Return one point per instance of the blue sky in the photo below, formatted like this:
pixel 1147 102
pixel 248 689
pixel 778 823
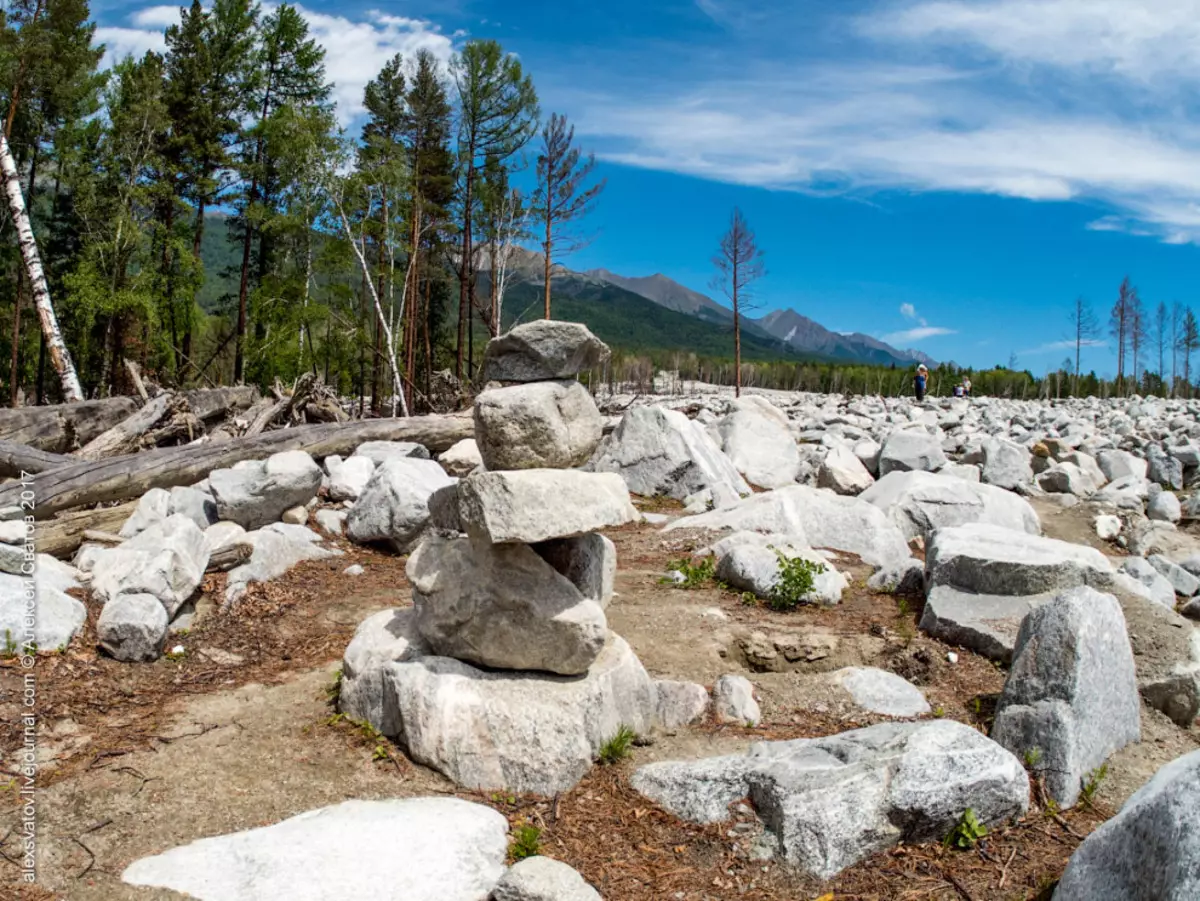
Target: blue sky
pixel 945 174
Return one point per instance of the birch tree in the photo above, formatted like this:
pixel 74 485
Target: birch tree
pixel 60 356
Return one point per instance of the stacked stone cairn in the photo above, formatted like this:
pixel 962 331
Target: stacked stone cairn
pixel 504 674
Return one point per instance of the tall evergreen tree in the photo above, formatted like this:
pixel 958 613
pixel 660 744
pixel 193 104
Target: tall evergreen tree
pixel 497 117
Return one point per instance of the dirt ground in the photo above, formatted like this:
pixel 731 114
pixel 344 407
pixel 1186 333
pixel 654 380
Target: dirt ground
pixel 238 732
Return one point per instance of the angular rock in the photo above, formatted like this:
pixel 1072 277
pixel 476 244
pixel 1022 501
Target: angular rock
pixel 418 849
pixel 733 701
pixel 817 518
pixel 543 879
pixel 167 561
pixel 1067 478
pixel 680 703
pixel 394 507
pixel 1005 464
pixel 1164 470
pixel 1071 699
pixel 750 562
pixel 1184 583
pixel 908 451
pixel 662 452
pixel 257 494
pixel 1149 582
pixel 517 732
pixel 1150 851
pixel 133 627
pixel 544 425
pixel 1119 464
pixel 331 522
pixel 152 508
pixel 297 516
pixel 878 691
pixel 589 562
pixel 385 637
pixel 1165 507
pixel 843 472
pixel 828 803
pixel 535 505
pixel 502 606
pixel 349 478
pixel 761 448
pixel 379 452
pixel 277 548
pixel 58 616
pixel 1107 526
pixel 920 502
pixel 461 459
pixel 542 350
pixel 1126 493
pixel 905 577
pixel 196 505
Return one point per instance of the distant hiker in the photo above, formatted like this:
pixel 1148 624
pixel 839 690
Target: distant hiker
pixel 960 391
pixel 966 386
pixel 920 381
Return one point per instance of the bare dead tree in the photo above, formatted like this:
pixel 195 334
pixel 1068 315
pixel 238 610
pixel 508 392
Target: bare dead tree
pixel 739 264
pixel 1138 335
pixel 1119 322
pixel 1085 328
pixel 561 198
pixel 1162 327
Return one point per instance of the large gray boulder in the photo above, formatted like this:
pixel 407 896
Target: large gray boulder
pixel 1119 464
pixel 461 459
pixel 1183 582
pixel 921 502
pixel 680 703
pixel 196 505
pixel 1071 699
pixel 662 452
pixel 1067 478
pixel 385 637
pixel 543 879
pixel 152 508
pixel 905 450
pixel 58 616
pixel 733 701
pixel 133 627
pixel 349 478
pixel 1163 469
pixel 880 691
pixel 257 492
pixel 394 506
pixel 544 425
pixel 1165 507
pixel 534 505
pixel 1140 577
pixel 761 447
pixel 1150 851
pixel 167 561
pixel 418 849
pixel 814 517
pixel 828 803
pixel 843 472
pixel 510 731
pixel 502 606
pixel 542 350
pixel 379 452
pixel 1005 464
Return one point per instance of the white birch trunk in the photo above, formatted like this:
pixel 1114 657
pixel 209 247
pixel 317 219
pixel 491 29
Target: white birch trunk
pixel 59 355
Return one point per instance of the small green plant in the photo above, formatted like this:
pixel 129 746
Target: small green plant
pixel 526 842
pixel 175 656
pixel 902 607
pixel 978 705
pixel 749 598
pixel 499 798
pixel 10 646
pixel 939 711
pixel 1091 785
pixel 333 690
pixel 967 833
pixel 1033 757
pixel 617 748
pixel 380 753
pixel 695 574
pixel 1051 808
pixel 795 581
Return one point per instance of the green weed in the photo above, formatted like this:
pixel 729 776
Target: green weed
pixel 695 574
pixel 967 833
pixel 795 581
pixel 617 748
pixel 526 842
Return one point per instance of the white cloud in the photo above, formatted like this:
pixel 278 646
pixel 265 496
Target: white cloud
pixel 1065 344
pixel 916 334
pixel 355 49
pixel 1036 99
pixel 908 311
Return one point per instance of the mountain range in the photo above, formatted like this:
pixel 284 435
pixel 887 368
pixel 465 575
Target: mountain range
pixel 781 333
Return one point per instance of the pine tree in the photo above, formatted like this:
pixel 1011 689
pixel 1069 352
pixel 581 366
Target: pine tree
pixel 498 113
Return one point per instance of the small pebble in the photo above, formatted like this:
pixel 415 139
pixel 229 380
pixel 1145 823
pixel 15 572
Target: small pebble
pixel 952 657
pixel 178 649
pixel 353 570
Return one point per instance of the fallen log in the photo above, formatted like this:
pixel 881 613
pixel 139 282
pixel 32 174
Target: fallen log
pixel 61 428
pixel 226 558
pixel 61 536
pixel 283 408
pixel 118 478
pixel 18 458
pixel 124 437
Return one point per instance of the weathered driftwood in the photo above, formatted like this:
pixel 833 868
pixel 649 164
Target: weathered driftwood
pixel 282 409
pixel 226 558
pixel 61 536
pixel 118 478
pixel 63 427
pixel 17 458
pixel 125 437
pixel 101 537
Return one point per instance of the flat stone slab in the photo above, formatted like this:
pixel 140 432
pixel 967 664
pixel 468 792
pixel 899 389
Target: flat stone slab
pixel 984 623
pixel 878 691
pixel 419 849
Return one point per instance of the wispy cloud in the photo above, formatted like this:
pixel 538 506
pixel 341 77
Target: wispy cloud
pixel 1053 346
pixel 917 334
pixel 908 311
pixel 1037 99
pixel 355 48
